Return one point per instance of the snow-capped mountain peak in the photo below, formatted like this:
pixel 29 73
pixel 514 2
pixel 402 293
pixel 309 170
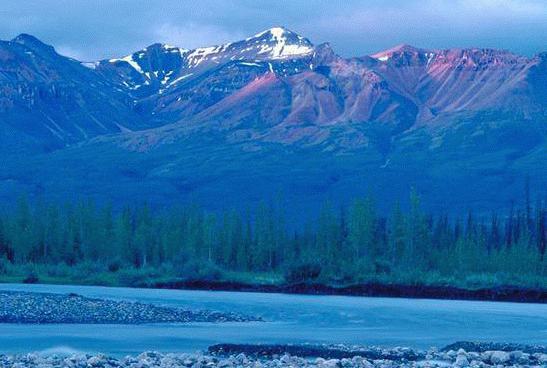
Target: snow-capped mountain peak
pixel 399 50
pixel 279 42
pixel 271 44
pixel 146 60
pixel 276 31
pixel 144 71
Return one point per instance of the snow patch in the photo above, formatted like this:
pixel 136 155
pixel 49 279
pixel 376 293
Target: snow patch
pixel 249 64
pixel 129 59
pixel 430 56
pixel 175 81
pixel 197 56
pixel 281 47
pixel 90 65
pixel 174 49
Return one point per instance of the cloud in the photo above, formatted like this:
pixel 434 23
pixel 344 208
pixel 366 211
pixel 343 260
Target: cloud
pixel 72 52
pixel 192 35
pixel 107 28
pixel 507 8
pixel 517 25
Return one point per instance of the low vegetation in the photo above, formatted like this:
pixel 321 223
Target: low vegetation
pixel 88 244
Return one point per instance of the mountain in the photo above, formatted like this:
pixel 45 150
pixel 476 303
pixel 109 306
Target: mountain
pixel 447 81
pixel 49 101
pixel 235 123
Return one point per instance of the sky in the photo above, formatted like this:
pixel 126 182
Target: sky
pixel 96 29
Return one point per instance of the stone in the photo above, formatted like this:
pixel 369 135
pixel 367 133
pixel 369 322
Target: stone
pixel 95 361
pixel 500 357
pixel 461 361
pixel 285 358
pixel 331 363
pixel 225 364
pixel 542 358
pixel 395 358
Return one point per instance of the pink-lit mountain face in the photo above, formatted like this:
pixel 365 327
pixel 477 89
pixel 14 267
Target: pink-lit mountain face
pixel 276 86
pixel 445 81
pixel 457 114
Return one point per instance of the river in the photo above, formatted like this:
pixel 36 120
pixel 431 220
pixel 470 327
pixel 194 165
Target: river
pixel 419 323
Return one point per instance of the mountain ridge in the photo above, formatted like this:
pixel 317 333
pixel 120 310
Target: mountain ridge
pixel 359 121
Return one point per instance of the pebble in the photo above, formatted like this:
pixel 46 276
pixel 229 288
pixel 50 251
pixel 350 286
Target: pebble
pixel 398 358
pixel 461 361
pixel 499 357
pixel 44 308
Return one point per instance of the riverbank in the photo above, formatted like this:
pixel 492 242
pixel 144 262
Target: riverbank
pixel 485 289
pixel 293 356
pixel 45 308
pixel 500 293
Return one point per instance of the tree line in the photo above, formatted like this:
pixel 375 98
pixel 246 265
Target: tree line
pixel 341 244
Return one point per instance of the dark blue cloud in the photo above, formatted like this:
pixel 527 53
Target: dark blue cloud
pixel 104 28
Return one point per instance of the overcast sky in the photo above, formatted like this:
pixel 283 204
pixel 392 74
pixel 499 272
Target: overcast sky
pixel 95 29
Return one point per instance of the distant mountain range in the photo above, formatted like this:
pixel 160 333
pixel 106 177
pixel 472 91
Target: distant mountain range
pixel 236 123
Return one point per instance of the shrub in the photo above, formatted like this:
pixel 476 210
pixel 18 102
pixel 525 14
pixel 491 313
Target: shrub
pixel 4 266
pixel 115 265
pixel 58 270
pixel 304 272
pixel 166 268
pixel 183 257
pixel 210 271
pixel 133 277
pixel 87 269
pixel 382 266
pixel 195 270
pixel 31 278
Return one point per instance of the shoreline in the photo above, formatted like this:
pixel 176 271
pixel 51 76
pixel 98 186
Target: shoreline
pixel 25 307
pixel 372 289
pixel 495 294
pixel 301 356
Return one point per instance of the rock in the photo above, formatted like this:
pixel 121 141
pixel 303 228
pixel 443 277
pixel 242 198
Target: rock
pixel 225 364
pixel 285 358
pixel 95 361
pixel 499 357
pixel 387 358
pixel 541 358
pixel 473 356
pixel 515 356
pixel 485 356
pixel 331 363
pixel 461 361
pixel 476 364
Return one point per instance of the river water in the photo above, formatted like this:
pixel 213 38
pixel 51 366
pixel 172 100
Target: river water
pixel 419 323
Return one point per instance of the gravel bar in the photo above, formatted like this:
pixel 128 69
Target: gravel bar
pixel 44 308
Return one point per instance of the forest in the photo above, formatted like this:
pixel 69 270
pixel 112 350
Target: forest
pixel 95 244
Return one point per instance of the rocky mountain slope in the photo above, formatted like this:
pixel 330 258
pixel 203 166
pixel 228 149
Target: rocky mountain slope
pixel 48 101
pixel 273 113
